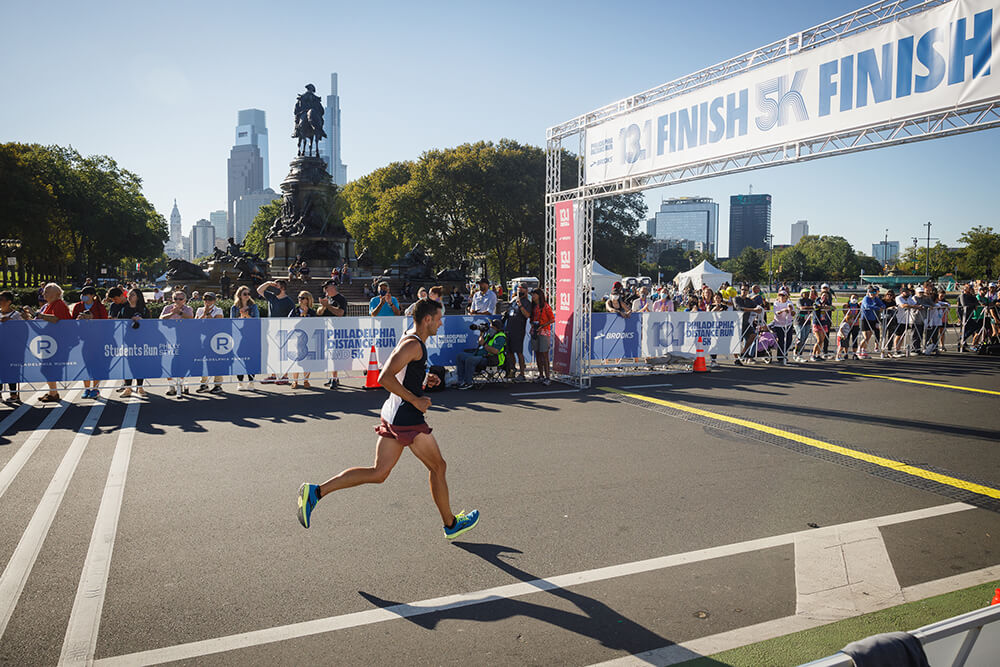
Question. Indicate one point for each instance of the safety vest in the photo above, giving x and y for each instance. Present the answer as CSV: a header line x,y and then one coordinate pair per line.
x,y
502,357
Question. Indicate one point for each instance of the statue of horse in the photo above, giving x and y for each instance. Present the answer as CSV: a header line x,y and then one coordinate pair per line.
x,y
309,130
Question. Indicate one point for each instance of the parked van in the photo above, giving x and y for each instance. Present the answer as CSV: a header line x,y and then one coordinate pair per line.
x,y
530,281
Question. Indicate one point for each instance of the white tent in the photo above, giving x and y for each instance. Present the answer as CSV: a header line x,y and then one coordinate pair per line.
x,y
703,274
602,279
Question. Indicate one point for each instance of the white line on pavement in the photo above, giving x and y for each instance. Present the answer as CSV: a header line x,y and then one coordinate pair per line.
x,y
197,649
543,393
22,455
12,418
15,575
85,619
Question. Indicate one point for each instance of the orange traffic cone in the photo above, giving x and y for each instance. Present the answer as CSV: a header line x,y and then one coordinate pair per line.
x,y
699,360
996,597
371,379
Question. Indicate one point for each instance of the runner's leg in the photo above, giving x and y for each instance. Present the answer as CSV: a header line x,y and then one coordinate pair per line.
x,y
426,449
387,453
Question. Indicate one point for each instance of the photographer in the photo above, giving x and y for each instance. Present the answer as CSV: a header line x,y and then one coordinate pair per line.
x,y
492,342
518,314
384,305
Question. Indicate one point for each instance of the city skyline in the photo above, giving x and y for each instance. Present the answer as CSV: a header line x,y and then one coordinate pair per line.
x,y
416,95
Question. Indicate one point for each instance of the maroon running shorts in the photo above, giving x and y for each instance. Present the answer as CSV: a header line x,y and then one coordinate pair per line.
x,y
403,434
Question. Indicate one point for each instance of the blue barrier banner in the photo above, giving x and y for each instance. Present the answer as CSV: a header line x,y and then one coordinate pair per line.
x,y
453,337
317,344
615,337
70,350
678,333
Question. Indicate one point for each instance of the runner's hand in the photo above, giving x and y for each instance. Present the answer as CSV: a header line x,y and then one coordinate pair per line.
x,y
433,380
423,403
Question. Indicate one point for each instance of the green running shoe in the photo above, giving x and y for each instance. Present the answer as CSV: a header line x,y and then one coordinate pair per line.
x,y
308,497
463,524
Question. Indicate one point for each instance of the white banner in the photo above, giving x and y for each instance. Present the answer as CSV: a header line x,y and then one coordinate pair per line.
x,y
933,61
316,344
677,333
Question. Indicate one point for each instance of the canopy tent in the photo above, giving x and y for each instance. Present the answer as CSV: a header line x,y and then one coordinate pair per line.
x,y
601,280
703,274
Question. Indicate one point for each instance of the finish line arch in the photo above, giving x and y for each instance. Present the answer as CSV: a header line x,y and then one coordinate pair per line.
x,y
890,73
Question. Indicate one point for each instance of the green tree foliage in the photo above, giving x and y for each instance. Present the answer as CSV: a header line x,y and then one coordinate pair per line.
x,y
74,213
256,239
914,260
481,200
981,257
749,266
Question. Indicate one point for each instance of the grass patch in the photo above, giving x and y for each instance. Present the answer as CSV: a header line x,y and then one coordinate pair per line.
x,y
808,645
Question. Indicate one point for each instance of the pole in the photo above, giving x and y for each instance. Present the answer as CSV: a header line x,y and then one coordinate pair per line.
x,y
928,226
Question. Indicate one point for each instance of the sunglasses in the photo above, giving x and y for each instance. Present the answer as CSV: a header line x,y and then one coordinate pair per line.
x,y
178,298
303,298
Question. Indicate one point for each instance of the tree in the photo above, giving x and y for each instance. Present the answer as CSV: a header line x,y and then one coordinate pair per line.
x,y
982,248
749,266
914,260
256,239
869,265
617,243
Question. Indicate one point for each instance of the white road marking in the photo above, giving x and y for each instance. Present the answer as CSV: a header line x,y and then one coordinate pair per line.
x,y
644,386
543,393
85,619
22,455
197,649
15,575
18,412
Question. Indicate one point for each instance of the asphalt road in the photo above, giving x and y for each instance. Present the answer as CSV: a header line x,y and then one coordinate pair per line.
x,y
610,525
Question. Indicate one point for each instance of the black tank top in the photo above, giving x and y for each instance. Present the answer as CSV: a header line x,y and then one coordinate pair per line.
x,y
395,410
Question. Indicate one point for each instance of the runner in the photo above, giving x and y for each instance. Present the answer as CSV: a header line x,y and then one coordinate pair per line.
x,y
405,376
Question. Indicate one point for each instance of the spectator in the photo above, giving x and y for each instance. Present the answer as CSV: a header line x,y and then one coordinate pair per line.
x,y
905,307
436,293
115,301
90,308
968,305
421,294
304,271
491,349
178,310
820,320
8,314
457,300
923,305
332,304
985,314
615,302
335,275
759,297
824,313
196,295
783,325
718,305
870,307
743,303
244,308
133,309
210,311
484,302
157,294
642,304
541,333
518,316
345,274
293,271
944,312
54,310
304,309
852,317
385,304
279,304
664,303
225,282
406,292
933,318
366,291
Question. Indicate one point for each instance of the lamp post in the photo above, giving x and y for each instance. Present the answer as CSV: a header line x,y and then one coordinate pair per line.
x,y
770,263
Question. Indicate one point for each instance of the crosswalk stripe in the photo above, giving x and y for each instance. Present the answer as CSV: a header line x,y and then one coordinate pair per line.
x,y
18,412
85,619
21,456
15,575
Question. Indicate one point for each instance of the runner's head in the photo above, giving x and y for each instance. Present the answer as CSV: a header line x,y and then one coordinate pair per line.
x,y
427,316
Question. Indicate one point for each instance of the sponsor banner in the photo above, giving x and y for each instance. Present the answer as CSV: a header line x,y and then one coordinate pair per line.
x,y
317,344
71,350
677,333
928,62
564,299
615,337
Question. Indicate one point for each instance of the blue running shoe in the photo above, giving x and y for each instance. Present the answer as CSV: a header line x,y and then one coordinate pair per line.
x,y
308,497
463,524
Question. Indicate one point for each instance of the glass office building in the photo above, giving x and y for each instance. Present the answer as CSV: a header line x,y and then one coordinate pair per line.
x,y
691,219
749,222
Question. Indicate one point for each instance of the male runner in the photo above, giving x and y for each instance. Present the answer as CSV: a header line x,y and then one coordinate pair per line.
x,y
402,424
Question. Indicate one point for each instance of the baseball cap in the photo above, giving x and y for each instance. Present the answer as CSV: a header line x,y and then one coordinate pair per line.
x,y
783,292
89,289
208,296
920,288
329,282
824,286
804,290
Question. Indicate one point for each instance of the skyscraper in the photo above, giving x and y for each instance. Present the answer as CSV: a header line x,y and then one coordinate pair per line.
x,y
329,148
749,222
252,129
799,229
174,246
218,220
247,207
202,238
247,166
885,251
693,219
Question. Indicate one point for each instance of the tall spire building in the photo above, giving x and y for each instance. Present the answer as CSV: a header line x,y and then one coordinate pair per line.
x,y
329,148
175,244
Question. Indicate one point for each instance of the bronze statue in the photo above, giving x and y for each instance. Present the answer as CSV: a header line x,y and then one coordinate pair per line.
x,y
309,122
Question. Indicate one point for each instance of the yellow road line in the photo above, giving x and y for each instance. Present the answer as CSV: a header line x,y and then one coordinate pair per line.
x,y
819,444
929,384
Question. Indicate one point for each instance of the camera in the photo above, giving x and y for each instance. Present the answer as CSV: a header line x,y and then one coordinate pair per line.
x,y
481,327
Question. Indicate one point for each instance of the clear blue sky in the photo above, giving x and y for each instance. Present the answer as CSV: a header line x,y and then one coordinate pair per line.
x,y
157,85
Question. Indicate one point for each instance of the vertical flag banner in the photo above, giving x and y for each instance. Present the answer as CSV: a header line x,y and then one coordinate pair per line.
x,y
564,300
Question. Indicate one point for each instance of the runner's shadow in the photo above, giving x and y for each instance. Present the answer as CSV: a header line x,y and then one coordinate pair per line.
x,y
596,621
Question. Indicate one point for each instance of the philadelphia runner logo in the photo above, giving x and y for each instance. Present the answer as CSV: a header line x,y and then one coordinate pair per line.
x,y
43,347
222,343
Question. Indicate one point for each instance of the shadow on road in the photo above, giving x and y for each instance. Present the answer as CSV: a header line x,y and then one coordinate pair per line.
x,y
596,620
